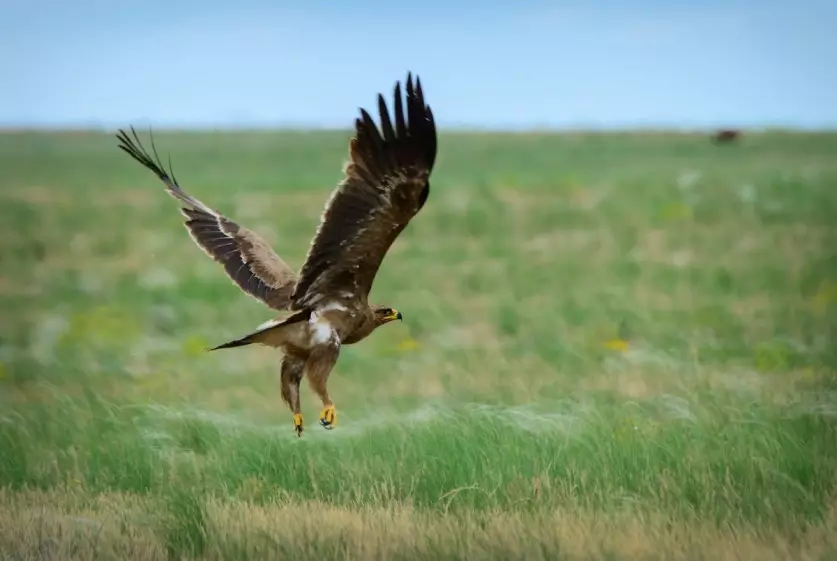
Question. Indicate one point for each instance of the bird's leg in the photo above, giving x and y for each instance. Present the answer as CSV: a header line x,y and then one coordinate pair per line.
x,y
292,370
319,366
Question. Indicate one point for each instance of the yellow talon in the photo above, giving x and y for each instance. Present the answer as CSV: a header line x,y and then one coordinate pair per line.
x,y
298,424
328,417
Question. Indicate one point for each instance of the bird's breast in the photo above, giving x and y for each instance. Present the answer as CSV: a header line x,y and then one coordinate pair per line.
x,y
333,322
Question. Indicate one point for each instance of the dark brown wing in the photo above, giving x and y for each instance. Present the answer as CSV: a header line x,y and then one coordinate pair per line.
x,y
246,258
385,184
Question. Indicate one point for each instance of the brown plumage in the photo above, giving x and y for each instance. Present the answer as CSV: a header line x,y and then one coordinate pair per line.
x,y
246,257
385,184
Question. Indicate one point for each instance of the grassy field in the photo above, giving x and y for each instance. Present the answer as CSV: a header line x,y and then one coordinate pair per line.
x,y
614,346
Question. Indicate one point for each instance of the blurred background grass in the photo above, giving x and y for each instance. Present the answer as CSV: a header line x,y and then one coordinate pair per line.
x,y
593,324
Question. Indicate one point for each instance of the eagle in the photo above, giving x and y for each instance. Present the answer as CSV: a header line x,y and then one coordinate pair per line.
x,y
326,304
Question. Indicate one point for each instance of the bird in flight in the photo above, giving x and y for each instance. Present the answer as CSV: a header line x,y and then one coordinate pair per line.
x,y
385,184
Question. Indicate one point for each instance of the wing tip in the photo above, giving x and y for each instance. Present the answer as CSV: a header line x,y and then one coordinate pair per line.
x,y
417,122
137,151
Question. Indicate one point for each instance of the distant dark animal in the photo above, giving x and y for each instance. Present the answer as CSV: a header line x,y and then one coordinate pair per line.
x,y
726,135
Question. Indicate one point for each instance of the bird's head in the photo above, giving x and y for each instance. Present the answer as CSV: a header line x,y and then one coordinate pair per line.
x,y
384,315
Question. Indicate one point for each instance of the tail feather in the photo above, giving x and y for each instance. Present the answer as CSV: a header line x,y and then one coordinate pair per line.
x,y
257,335
244,341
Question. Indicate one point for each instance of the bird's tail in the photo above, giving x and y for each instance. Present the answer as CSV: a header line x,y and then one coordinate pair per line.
x,y
244,341
255,337
269,333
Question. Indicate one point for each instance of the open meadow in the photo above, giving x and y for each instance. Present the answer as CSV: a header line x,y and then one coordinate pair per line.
x,y
614,346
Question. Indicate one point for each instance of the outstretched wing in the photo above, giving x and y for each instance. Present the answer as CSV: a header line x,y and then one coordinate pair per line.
x,y
385,184
246,258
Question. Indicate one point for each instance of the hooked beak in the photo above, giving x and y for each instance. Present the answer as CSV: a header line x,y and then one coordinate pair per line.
x,y
394,315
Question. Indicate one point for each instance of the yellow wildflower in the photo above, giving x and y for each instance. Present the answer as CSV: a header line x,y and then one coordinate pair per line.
x,y
408,344
619,345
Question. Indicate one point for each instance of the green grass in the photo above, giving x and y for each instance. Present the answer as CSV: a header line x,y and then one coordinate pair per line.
x,y
614,346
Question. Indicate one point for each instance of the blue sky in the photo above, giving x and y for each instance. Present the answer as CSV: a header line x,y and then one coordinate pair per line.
x,y
532,63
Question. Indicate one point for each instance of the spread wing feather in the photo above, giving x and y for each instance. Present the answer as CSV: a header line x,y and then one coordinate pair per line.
x,y
247,259
384,185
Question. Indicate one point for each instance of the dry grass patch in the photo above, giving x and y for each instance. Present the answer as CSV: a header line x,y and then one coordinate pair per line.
x,y
67,525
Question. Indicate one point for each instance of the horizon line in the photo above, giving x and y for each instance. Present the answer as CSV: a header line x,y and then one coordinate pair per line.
x,y
454,129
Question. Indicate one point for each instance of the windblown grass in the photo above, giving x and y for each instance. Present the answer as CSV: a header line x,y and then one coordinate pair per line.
x,y
614,346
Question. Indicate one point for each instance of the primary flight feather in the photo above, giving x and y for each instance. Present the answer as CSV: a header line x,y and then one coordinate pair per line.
x,y
246,257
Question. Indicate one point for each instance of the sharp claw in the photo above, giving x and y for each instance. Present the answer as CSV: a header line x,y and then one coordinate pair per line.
x,y
298,424
328,417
